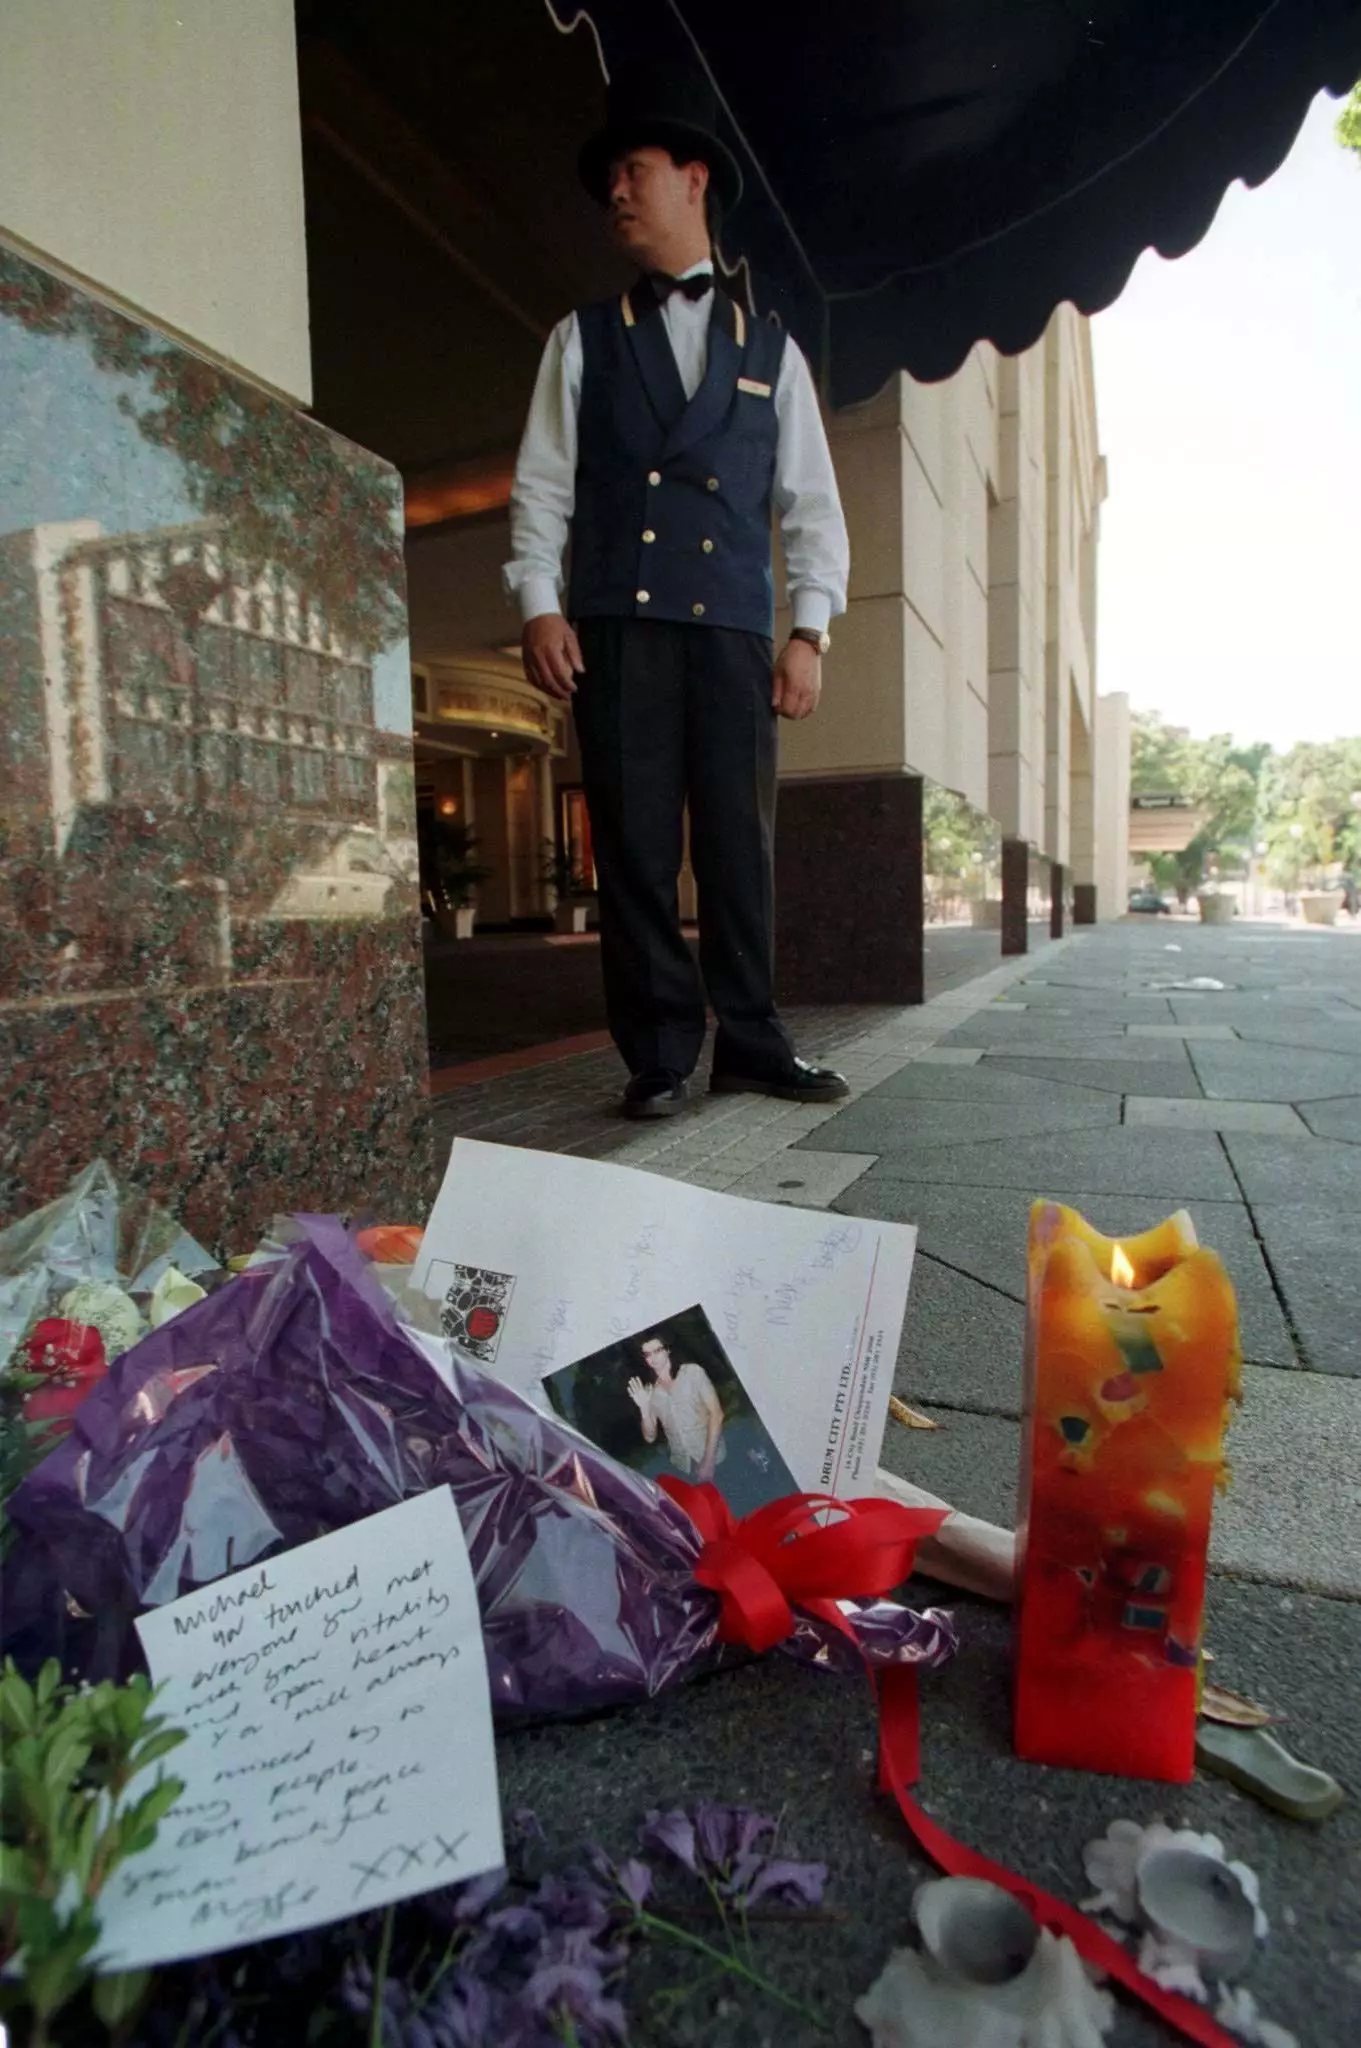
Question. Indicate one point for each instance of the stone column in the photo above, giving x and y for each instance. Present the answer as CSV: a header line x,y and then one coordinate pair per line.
x,y
848,890
1015,883
1057,872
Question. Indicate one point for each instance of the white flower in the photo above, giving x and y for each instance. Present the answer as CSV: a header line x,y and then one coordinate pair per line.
x,y
1113,1862
1053,2003
105,1308
1237,2010
1173,1965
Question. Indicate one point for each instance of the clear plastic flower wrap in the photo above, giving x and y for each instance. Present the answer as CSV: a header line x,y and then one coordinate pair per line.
x,y
292,1402
94,1256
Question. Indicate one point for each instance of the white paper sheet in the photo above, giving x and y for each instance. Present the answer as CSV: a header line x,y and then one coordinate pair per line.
x,y
340,1748
551,1258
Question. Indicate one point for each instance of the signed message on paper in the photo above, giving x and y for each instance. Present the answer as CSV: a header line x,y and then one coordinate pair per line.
x,y
340,1741
539,1261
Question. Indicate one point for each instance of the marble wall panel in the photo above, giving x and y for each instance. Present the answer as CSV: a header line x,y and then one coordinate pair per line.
x,y
209,930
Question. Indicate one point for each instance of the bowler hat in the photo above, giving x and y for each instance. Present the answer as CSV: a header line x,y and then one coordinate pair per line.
x,y
661,107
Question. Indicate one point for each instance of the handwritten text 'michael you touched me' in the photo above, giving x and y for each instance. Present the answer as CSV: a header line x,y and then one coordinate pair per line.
x,y
401,1637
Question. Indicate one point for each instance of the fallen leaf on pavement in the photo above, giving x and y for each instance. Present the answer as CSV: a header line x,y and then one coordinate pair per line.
x,y
911,1418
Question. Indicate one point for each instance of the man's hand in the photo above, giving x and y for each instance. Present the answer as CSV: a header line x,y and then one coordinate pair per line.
x,y
797,682
552,656
637,1393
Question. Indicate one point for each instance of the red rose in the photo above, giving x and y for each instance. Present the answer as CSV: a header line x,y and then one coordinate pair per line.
x,y
70,1357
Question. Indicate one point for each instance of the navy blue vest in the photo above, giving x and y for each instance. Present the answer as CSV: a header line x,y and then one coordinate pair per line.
x,y
673,499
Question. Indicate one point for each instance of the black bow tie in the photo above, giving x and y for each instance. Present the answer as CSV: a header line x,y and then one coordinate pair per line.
x,y
690,287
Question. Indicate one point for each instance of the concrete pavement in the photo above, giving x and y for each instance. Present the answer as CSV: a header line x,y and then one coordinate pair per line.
x,y
1088,1074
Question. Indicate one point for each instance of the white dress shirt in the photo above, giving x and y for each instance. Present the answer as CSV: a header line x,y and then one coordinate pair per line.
x,y
812,528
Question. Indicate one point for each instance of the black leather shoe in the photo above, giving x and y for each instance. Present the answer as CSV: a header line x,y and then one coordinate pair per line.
x,y
798,1082
650,1095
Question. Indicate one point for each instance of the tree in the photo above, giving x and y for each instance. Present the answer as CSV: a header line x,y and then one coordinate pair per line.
x,y
1348,129
287,493
1311,806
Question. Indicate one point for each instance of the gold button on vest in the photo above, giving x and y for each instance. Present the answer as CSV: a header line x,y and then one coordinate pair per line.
x,y
698,610
712,484
707,546
654,476
648,534
644,597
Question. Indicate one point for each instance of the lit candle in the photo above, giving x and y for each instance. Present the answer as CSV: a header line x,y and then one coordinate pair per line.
x,y
1132,1360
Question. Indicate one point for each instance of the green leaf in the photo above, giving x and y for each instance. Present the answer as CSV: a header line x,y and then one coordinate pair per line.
x,y
157,1746
86,1843
117,1998
68,1752
16,1870
53,1977
152,1808
16,1701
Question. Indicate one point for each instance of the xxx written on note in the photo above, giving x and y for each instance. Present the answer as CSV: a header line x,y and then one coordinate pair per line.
x,y
339,1753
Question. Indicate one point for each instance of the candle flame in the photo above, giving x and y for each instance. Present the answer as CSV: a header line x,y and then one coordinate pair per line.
x,y
1122,1273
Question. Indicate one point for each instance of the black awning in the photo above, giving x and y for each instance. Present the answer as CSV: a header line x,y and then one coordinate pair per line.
x,y
925,174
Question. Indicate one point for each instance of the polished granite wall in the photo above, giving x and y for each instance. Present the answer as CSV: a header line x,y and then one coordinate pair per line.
x,y
209,954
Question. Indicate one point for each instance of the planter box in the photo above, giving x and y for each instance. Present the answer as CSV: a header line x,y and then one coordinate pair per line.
x,y
1216,909
1321,907
570,915
457,924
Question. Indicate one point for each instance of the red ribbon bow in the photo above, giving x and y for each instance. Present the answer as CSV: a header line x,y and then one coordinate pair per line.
x,y
810,1551
807,1551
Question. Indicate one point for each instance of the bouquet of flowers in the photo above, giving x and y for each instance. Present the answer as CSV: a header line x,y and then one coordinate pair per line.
x,y
292,1402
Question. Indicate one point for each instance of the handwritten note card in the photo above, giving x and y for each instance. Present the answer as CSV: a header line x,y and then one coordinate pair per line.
x,y
340,1745
537,1261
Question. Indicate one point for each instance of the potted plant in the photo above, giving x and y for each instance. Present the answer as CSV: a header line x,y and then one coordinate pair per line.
x,y
1320,906
571,889
1217,906
457,874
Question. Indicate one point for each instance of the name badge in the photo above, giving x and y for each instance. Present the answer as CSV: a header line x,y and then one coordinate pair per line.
x,y
750,384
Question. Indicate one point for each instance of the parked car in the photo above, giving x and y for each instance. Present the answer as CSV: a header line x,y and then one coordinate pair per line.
x,y
1147,899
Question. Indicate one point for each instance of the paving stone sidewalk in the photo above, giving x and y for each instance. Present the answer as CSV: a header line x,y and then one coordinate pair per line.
x,y
1107,1072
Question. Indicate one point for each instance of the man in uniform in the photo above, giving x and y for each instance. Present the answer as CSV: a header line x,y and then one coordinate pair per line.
x,y
668,428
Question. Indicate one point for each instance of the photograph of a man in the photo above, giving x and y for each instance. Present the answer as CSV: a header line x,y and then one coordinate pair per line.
x,y
681,1402
668,1399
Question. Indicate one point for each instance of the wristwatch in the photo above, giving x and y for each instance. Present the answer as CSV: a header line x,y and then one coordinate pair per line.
x,y
822,641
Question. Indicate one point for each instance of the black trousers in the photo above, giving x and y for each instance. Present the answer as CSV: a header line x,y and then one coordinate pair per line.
x,y
669,715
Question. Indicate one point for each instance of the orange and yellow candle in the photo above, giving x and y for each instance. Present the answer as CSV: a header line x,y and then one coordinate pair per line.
x,y
1132,1363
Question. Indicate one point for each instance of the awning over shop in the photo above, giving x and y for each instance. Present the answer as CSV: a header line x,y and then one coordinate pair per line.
x,y
925,174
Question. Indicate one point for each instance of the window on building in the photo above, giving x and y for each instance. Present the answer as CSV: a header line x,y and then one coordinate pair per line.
x,y
354,776
308,770
259,765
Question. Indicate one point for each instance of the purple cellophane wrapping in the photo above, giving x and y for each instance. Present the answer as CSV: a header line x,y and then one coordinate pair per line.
x,y
292,1402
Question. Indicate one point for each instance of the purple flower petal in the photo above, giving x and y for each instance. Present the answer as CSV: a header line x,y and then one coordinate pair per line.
x,y
572,1900
472,1898
635,1881
671,1834
796,1884
716,1833
466,2010
750,1828
526,1822
560,1989
742,1875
